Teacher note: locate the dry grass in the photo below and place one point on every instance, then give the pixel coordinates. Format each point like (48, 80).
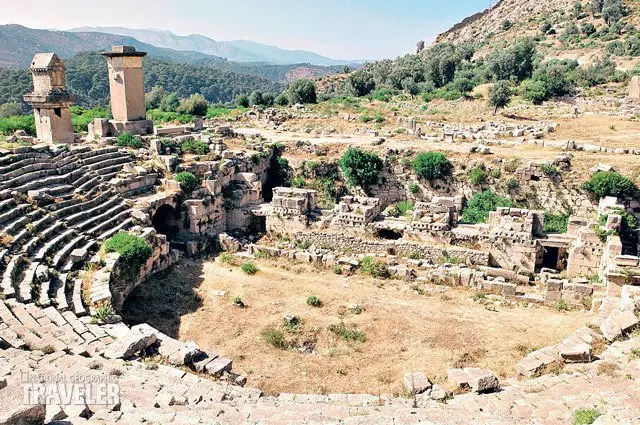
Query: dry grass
(403, 330)
(608, 368)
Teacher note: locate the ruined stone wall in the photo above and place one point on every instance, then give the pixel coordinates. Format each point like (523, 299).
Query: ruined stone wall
(343, 243)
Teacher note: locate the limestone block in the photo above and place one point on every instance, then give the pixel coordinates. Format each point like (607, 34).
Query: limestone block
(577, 353)
(188, 351)
(219, 365)
(127, 345)
(417, 383)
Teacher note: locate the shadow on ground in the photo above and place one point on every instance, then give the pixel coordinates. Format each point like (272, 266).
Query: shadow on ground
(164, 298)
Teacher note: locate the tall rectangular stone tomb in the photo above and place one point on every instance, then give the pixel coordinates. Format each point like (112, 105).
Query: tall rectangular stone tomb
(50, 99)
(126, 88)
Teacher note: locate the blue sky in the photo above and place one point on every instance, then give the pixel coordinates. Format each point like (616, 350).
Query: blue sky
(342, 29)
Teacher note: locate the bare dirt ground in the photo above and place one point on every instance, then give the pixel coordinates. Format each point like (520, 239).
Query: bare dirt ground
(404, 331)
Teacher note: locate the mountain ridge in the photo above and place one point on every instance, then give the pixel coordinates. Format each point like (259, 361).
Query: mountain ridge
(234, 50)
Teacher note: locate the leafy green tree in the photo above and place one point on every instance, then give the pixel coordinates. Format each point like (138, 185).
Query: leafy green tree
(499, 95)
(302, 91)
(612, 11)
(596, 6)
(463, 85)
(154, 97)
(256, 98)
(242, 100)
(632, 45)
(534, 91)
(170, 103)
(610, 183)
(362, 82)
(481, 204)
(282, 100)
(360, 168)
(268, 99)
(10, 109)
(432, 165)
(588, 29)
(196, 105)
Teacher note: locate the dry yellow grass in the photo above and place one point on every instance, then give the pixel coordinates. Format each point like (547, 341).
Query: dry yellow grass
(404, 331)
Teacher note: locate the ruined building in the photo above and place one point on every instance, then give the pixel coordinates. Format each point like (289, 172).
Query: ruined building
(50, 99)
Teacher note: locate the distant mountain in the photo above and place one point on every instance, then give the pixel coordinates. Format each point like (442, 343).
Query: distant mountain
(237, 50)
(18, 44)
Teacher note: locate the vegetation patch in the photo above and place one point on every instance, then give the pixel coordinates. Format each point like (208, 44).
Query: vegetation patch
(555, 223)
(481, 204)
(349, 334)
(128, 140)
(134, 252)
(188, 181)
(610, 183)
(432, 165)
(374, 268)
(360, 168)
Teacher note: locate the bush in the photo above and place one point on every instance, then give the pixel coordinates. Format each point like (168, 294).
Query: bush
(512, 184)
(360, 168)
(249, 268)
(481, 204)
(170, 103)
(275, 338)
(134, 251)
(242, 101)
(302, 91)
(282, 100)
(82, 117)
(499, 95)
(585, 416)
(195, 104)
(534, 91)
(128, 140)
(561, 305)
(432, 165)
(610, 183)
(414, 188)
(545, 27)
(346, 334)
(188, 181)
(375, 269)
(477, 175)
(314, 301)
(10, 125)
(588, 29)
(197, 147)
(404, 207)
(555, 223)
(549, 170)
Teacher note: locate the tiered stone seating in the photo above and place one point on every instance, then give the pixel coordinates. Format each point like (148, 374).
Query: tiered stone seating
(86, 209)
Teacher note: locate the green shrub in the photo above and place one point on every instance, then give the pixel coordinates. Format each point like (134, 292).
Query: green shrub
(303, 91)
(549, 170)
(188, 181)
(404, 207)
(103, 312)
(495, 173)
(360, 168)
(432, 165)
(82, 117)
(314, 301)
(299, 182)
(249, 268)
(414, 188)
(555, 223)
(128, 140)
(610, 183)
(275, 338)
(197, 147)
(561, 305)
(346, 334)
(373, 268)
(477, 176)
(228, 258)
(534, 91)
(10, 125)
(195, 105)
(237, 301)
(481, 204)
(628, 221)
(134, 252)
(585, 416)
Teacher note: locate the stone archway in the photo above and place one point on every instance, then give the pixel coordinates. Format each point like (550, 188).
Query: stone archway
(167, 221)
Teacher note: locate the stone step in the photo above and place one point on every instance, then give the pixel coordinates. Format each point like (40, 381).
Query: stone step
(89, 184)
(27, 178)
(112, 222)
(59, 191)
(76, 297)
(24, 289)
(100, 216)
(43, 182)
(14, 213)
(52, 244)
(96, 208)
(11, 273)
(60, 294)
(66, 250)
(103, 157)
(7, 204)
(29, 166)
(110, 165)
(79, 206)
(122, 226)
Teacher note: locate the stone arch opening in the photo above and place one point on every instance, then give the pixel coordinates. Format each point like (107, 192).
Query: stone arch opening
(389, 234)
(166, 220)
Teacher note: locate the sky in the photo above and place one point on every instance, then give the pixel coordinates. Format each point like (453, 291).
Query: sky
(340, 29)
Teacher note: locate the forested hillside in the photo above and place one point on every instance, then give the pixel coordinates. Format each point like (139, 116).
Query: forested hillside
(87, 78)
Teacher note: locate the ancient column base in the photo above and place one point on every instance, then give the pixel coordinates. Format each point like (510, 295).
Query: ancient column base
(102, 127)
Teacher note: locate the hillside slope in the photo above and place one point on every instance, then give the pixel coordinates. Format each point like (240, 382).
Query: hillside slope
(18, 44)
(571, 30)
(237, 50)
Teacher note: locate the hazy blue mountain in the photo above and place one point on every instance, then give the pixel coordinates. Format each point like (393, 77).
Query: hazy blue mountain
(236, 50)
(18, 44)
